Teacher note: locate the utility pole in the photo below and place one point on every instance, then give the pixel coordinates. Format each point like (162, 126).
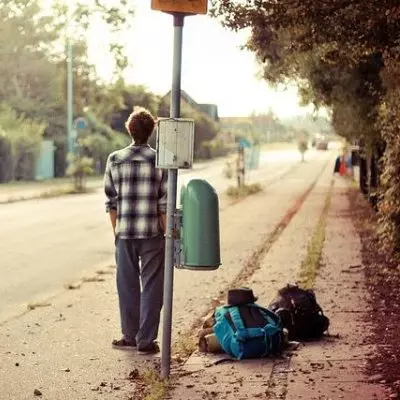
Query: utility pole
(178, 9)
(70, 116)
(175, 111)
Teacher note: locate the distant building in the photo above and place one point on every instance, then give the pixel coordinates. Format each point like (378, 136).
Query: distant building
(209, 109)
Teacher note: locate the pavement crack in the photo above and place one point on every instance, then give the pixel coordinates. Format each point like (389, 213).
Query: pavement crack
(278, 380)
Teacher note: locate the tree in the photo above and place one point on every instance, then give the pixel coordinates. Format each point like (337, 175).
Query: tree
(6, 159)
(115, 17)
(33, 76)
(312, 44)
(20, 141)
(129, 96)
(344, 55)
(98, 140)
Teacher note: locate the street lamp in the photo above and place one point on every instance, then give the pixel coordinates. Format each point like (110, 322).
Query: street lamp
(70, 112)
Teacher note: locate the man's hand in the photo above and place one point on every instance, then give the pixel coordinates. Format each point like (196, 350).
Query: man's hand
(163, 222)
(113, 219)
(163, 225)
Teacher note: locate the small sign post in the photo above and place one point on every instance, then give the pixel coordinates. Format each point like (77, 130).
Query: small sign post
(179, 9)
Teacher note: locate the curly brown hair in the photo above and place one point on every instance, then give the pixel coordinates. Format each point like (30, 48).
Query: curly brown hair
(140, 125)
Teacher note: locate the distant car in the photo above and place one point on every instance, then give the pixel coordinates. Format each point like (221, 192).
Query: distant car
(322, 145)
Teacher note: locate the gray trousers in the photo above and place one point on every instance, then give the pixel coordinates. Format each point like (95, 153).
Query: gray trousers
(140, 310)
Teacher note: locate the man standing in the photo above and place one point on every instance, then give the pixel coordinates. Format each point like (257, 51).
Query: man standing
(136, 201)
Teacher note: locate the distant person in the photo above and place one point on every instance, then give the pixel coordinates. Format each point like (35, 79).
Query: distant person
(136, 201)
(240, 167)
(338, 161)
(349, 164)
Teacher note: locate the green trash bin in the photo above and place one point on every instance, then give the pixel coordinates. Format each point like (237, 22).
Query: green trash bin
(200, 241)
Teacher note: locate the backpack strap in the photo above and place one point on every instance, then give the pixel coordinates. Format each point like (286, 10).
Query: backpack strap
(241, 331)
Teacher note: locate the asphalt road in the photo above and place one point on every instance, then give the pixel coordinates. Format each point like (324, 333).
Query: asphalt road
(48, 243)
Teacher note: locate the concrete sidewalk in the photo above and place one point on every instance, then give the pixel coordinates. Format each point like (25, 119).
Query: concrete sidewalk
(333, 368)
(63, 349)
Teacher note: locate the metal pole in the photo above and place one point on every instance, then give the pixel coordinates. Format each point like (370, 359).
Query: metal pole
(175, 112)
(70, 116)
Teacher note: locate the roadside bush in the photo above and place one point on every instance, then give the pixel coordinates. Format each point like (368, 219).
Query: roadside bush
(244, 190)
(97, 147)
(26, 151)
(119, 141)
(60, 156)
(389, 204)
(5, 158)
(214, 148)
(79, 168)
(99, 140)
(24, 138)
(302, 148)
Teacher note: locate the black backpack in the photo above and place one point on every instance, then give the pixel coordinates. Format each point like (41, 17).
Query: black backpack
(300, 313)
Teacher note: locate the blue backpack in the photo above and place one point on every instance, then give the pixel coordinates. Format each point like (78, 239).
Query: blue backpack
(248, 331)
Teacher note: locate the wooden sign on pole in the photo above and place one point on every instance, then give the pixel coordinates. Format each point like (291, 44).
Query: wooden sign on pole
(180, 6)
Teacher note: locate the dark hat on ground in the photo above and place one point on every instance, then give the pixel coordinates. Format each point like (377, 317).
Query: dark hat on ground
(241, 296)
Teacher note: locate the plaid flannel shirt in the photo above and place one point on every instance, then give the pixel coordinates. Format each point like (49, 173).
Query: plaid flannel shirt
(137, 190)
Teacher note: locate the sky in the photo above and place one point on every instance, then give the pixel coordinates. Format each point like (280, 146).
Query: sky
(214, 68)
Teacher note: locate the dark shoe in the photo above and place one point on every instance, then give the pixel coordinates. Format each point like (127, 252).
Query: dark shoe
(123, 344)
(152, 348)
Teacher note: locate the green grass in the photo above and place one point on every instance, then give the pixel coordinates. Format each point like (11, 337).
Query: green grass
(148, 385)
(312, 262)
(185, 345)
(243, 191)
(156, 388)
(151, 386)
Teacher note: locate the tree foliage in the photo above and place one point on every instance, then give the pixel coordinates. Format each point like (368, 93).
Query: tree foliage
(79, 168)
(20, 141)
(343, 54)
(33, 83)
(389, 113)
(33, 76)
